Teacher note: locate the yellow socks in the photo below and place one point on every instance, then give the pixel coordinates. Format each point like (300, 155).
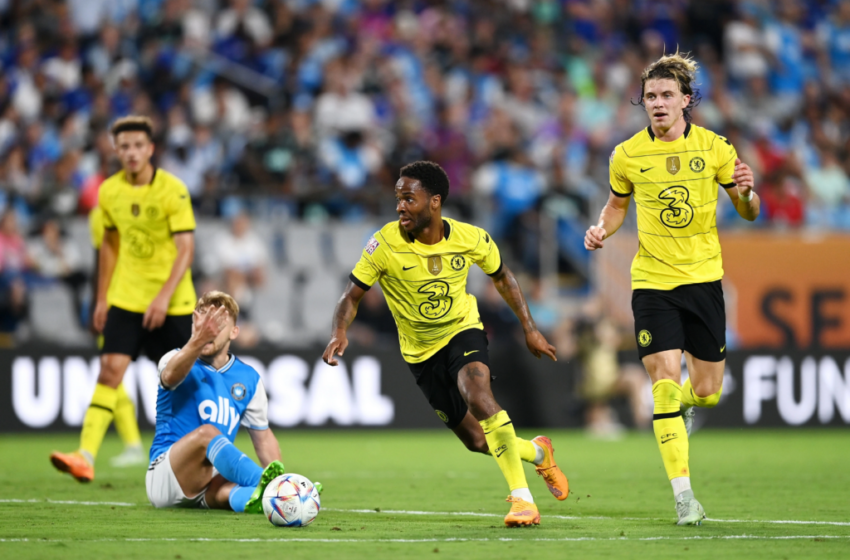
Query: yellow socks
(527, 450)
(670, 428)
(125, 419)
(689, 398)
(505, 448)
(97, 420)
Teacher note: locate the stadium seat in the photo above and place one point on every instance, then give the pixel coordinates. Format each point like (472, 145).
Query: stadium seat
(272, 309)
(305, 246)
(52, 316)
(348, 241)
(321, 291)
(78, 233)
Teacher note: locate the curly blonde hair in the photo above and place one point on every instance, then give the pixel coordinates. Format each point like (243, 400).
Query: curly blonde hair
(679, 67)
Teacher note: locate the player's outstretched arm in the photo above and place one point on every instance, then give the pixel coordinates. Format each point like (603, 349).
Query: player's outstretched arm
(155, 313)
(106, 259)
(746, 201)
(508, 287)
(205, 328)
(266, 446)
(344, 313)
(610, 220)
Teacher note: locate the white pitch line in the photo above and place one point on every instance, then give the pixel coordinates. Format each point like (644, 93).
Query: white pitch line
(446, 540)
(584, 517)
(462, 513)
(66, 502)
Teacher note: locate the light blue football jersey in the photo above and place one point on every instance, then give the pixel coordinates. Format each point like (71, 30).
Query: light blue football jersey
(225, 398)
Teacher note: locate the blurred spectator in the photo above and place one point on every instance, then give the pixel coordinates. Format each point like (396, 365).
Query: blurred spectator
(15, 264)
(498, 319)
(782, 197)
(374, 324)
(603, 379)
(243, 259)
(57, 258)
(830, 191)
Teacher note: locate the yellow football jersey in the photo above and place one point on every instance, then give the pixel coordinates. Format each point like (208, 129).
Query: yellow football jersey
(425, 285)
(146, 217)
(96, 227)
(675, 189)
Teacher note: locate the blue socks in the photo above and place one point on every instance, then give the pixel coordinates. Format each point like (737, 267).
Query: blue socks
(233, 465)
(239, 496)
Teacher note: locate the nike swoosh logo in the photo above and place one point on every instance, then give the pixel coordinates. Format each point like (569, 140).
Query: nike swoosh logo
(500, 454)
(724, 348)
(647, 169)
(408, 267)
(470, 352)
(663, 441)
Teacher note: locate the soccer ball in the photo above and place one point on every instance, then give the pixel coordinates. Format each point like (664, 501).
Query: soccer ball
(291, 500)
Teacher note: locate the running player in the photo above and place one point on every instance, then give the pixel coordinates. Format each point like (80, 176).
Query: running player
(145, 294)
(422, 262)
(673, 167)
(205, 393)
(125, 411)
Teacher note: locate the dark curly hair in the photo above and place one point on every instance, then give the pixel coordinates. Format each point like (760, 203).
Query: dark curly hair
(680, 68)
(430, 175)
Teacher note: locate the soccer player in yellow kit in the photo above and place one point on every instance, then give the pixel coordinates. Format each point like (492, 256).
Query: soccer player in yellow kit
(422, 262)
(125, 411)
(673, 168)
(145, 295)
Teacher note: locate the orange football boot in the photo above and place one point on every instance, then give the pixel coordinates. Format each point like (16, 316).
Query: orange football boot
(74, 464)
(555, 479)
(522, 514)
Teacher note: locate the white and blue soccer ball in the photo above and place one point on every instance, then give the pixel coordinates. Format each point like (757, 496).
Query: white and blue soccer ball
(291, 500)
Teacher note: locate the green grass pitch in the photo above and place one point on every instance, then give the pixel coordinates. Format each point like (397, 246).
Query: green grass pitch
(400, 494)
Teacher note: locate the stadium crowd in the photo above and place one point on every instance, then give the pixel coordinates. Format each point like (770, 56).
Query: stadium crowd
(307, 108)
(315, 104)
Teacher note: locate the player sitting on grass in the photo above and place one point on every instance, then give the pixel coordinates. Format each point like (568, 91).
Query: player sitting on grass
(422, 262)
(205, 393)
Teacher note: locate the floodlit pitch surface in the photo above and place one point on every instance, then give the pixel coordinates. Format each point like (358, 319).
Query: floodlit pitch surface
(768, 494)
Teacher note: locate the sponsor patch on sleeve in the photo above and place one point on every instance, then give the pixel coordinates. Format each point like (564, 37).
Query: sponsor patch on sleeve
(611, 157)
(372, 245)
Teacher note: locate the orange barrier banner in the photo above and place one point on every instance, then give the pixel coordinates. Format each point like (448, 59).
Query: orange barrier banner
(787, 290)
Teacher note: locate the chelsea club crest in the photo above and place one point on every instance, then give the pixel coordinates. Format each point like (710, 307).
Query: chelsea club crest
(238, 391)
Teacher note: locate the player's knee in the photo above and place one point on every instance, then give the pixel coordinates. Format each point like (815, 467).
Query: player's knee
(111, 371)
(206, 434)
(705, 388)
(477, 445)
(708, 397)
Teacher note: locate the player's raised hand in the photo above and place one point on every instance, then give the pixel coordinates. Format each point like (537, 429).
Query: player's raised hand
(539, 346)
(594, 238)
(337, 345)
(155, 313)
(207, 326)
(743, 177)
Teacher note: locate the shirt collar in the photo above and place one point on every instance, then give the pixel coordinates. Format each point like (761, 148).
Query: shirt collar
(223, 369)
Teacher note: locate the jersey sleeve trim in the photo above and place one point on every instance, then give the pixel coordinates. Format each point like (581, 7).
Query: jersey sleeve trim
(183, 231)
(619, 194)
(498, 270)
(728, 185)
(357, 282)
(161, 367)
